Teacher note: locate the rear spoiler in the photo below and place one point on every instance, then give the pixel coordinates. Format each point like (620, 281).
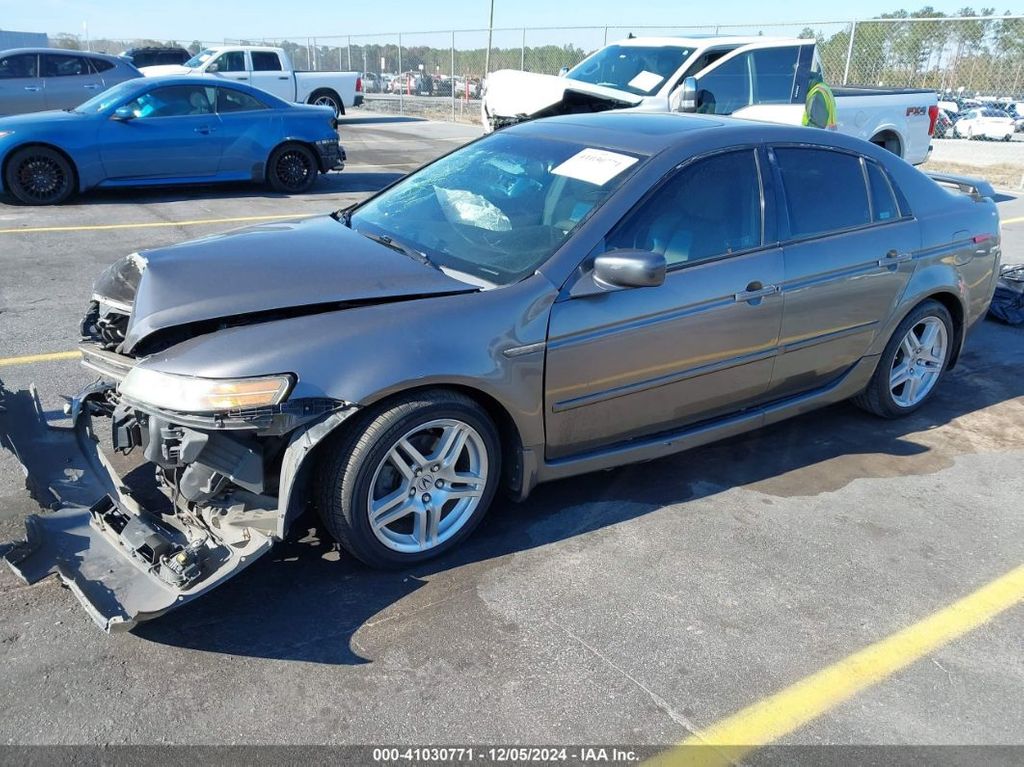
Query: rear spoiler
(975, 187)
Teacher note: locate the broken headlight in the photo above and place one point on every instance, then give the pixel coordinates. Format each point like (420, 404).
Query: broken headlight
(187, 394)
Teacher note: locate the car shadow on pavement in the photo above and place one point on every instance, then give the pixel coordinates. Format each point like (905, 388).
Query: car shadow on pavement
(345, 182)
(306, 600)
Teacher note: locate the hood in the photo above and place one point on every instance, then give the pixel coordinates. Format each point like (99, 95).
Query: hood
(289, 266)
(159, 70)
(33, 119)
(511, 93)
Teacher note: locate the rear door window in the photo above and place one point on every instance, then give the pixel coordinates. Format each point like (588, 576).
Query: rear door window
(230, 100)
(265, 61)
(100, 65)
(55, 65)
(824, 190)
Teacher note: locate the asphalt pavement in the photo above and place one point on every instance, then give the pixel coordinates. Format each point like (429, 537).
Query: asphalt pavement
(634, 606)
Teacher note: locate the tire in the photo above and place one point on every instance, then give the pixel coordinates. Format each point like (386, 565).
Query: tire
(292, 169)
(416, 519)
(327, 98)
(921, 369)
(38, 175)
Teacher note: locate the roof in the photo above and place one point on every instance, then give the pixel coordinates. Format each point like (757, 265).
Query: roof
(15, 51)
(706, 40)
(650, 133)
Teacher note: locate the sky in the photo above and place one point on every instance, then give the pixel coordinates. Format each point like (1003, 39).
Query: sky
(187, 20)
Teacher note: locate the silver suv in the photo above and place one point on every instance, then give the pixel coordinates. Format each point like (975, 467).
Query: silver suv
(36, 79)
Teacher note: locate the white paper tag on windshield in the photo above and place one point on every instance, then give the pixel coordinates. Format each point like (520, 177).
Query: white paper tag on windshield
(595, 166)
(646, 81)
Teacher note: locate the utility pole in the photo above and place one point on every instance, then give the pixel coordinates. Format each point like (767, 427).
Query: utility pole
(490, 34)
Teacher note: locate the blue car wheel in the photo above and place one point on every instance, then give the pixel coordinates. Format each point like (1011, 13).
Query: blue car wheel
(292, 169)
(38, 175)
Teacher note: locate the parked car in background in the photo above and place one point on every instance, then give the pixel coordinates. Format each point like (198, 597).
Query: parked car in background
(176, 130)
(944, 124)
(36, 79)
(567, 296)
(372, 83)
(985, 122)
(270, 69)
(155, 56)
(754, 78)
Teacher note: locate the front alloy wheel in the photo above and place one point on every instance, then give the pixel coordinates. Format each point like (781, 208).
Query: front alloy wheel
(409, 479)
(39, 176)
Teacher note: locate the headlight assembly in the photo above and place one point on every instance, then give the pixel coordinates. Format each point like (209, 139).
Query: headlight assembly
(187, 394)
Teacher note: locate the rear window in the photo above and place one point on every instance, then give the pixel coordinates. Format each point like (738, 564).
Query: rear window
(825, 190)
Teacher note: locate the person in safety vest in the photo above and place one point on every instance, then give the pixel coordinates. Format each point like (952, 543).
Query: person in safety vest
(820, 106)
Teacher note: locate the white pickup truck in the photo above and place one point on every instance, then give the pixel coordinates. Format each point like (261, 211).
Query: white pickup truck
(755, 78)
(270, 69)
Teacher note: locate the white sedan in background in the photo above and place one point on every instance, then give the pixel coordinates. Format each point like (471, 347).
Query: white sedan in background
(984, 122)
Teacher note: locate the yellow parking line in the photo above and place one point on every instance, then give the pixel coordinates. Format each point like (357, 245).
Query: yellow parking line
(773, 718)
(30, 358)
(154, 224)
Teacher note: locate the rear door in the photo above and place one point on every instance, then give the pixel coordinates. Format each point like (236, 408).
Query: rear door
(70, 80)
(21, 87)
(848, 251)
(268, 75)
(175, 134)
(631, 363)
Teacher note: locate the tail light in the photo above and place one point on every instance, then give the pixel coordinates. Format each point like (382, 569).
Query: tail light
(933, 117)
(359, 85)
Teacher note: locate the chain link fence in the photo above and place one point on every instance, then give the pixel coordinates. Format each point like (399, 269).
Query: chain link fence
(441, 74)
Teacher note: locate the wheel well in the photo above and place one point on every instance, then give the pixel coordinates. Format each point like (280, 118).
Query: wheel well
(57, 149)
(508, 432)
(292, 142)
(956, 312)
(890, 141)
(328, 92)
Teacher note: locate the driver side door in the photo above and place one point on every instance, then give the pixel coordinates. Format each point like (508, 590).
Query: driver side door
(174, 134)
(624, 364)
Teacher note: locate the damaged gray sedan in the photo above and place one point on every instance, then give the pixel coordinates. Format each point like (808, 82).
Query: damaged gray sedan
(567, 295)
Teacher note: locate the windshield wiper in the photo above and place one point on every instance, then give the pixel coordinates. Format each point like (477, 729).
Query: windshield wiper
(401, 247)
(345, 215)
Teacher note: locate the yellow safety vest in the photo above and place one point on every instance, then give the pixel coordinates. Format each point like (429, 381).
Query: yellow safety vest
(820, 107)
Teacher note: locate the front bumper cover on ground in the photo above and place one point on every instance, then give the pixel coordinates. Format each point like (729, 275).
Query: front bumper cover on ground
(126, 564)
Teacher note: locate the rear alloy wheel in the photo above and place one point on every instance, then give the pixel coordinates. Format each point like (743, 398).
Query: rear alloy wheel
(913, 362)
(292, 169)
(328, 99)
(40, 176)
(410, 480)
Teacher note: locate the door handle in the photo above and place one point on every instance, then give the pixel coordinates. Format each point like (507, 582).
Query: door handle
(92, 86)
(894, 257)
(204, 129)
(32, 88)
(756, 290)
(283, 78)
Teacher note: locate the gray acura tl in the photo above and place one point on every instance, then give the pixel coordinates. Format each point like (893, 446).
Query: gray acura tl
(566, 295)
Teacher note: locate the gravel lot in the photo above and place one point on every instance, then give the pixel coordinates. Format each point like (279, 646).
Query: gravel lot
(633, 606)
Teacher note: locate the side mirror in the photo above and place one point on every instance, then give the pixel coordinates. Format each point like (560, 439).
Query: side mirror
(213, 68)
(123, 114)
(686, 96)
(629, 269)
(563, 71)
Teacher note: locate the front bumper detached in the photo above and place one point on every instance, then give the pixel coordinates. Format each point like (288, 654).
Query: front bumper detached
(125, 563)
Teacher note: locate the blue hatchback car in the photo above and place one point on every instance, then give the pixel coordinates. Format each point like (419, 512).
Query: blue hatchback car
(167, 130)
